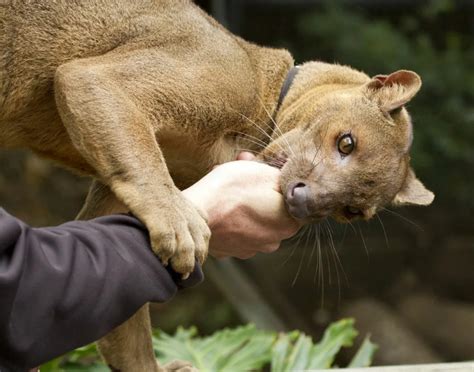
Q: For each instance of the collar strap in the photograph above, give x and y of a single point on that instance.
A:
(286, 85)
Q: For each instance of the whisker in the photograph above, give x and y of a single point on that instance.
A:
(263, 131)
(327, 257)
(336, 256)
(328, 263)
(273, 128)
(330, 243)
(320, 268)
(383, 229)
(246, 135)
(329, 252)
(301, 260)
(363, 242)
(318, 277)
(341, 243)
(403, 218)
(352, 226)
(319, 147)
(318, 255)
(256, 143)
(275, 125)
(313, 232)
(300, 235)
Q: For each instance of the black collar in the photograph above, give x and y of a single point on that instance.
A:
(286, 85)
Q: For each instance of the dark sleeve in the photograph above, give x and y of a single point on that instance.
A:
(64, 287)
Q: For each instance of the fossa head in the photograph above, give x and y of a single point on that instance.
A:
(344, 144)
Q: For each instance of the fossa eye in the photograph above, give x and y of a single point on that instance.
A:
(345, 144)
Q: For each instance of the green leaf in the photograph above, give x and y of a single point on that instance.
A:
(299, 356)
(254, 355)
(281, 350)
(82, 352)
(52, 366)
(363, 357)
(339, 334)
(243, 348)
(85, 368)
(299, 353)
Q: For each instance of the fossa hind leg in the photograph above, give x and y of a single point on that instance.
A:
(128, 348)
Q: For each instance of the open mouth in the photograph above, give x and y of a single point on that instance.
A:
(352, 212)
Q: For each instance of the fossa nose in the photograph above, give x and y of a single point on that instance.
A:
(297, 199)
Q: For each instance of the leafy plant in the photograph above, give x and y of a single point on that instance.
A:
(296, 351)
(83, 359)
(241, 349)
(247, 348)
(244, 348)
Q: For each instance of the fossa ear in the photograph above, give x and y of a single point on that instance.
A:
(392, 92)
(413, 192)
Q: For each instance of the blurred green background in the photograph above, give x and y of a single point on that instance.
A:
(408, 276)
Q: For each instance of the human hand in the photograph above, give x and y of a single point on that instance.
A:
(246, 211)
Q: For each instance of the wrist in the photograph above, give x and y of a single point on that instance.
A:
(204, 195)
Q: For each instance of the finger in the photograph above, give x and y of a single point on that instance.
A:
(269, 248)
(270, 206)
(245, 155)
(245, 255)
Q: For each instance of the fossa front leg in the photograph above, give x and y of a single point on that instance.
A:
(109, 125)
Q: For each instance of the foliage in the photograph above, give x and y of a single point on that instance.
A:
(83, 359)
(241, 349)
(296, 351)
(363, 357)
(443, 112)
(244, 348)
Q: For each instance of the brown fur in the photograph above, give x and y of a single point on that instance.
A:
(147, 96)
